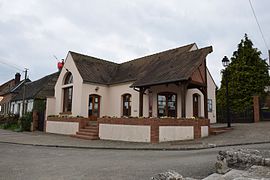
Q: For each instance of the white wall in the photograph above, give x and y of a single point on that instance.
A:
(67, 128)
(130, 133)
(115, 100)
(189, 102)
(204, 131)
(102, 91)
(50, 107)
(211, 93)
(77, 88)
(175, 133)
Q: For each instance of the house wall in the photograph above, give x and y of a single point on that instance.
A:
(211, 94)
(77, 88)
(189, 103)
(50, 107)
(111, 96)
(152, 130)
(102, 91)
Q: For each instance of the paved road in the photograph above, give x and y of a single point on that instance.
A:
(31, 162)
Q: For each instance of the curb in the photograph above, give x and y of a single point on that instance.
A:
(209, 146)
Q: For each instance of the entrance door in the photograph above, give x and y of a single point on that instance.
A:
(94, 105)
(195, 105)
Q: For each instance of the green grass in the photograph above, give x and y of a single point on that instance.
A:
(12, 127)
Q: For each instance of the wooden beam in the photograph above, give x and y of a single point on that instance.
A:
(183, 99)
(141, 101)
(205, 100)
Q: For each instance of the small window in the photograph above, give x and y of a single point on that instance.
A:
(69, 78)
(210, 105)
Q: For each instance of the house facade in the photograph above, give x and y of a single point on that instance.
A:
(35, 96)
(7, 92)
(174, 83)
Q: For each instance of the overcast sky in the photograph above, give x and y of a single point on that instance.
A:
(33, 31)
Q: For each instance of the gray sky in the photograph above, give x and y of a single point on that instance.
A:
(32, 31)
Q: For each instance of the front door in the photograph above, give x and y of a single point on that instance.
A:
(94, 105)
(195, 105)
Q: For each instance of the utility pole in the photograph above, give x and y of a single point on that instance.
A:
(24, 90)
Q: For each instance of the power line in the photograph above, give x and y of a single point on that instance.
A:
(3, 61)
(253, 11)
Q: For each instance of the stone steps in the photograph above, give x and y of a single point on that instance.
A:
(89, 132)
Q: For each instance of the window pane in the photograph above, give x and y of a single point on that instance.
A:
(67, 104)
(167, 105)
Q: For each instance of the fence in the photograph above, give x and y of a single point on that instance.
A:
(246, 116)
(265, 108)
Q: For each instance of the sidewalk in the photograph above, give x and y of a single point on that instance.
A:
(240, 135)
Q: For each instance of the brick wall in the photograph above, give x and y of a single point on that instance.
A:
(155, 123)
(82, 121)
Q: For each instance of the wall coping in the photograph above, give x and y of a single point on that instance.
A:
(155, 121)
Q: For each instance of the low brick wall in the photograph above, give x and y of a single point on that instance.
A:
(64, 125)
(156, 124)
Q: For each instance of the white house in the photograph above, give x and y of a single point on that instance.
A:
(174, 83)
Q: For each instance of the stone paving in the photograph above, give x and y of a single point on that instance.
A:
(241, 134)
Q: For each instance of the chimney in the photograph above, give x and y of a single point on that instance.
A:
(60, 65)
(17, 78)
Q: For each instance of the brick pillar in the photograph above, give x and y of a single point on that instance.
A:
(154, 133)
(256, 108)
(197, 130)
(35, 120)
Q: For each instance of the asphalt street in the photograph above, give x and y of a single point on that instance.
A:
(33, 162)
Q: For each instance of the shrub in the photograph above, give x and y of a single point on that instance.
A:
(9, 121)
(26, 121)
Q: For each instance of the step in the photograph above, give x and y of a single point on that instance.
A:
(85, 137)
(92, 123)
(90, 127)
(216, 132)
(219, 130)
(87, 133)
(89, 130)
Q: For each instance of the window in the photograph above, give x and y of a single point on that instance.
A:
(210, 105)
(67, 101)
(167, 104)
(67, 105)
(19, 108)
(13, 108)
(94, 105)
(69, 78)
(126, 104)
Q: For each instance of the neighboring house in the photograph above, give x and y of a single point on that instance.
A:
(7, 93)
(35, 91)
(173, 83)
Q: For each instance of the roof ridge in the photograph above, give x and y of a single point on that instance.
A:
(95, 58)
(159, 53)
(7, 82)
